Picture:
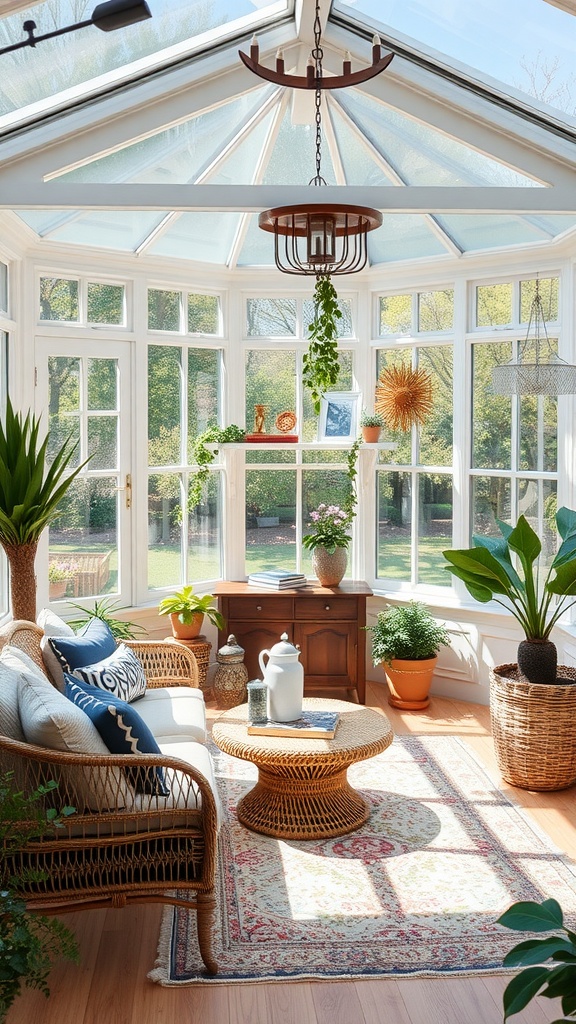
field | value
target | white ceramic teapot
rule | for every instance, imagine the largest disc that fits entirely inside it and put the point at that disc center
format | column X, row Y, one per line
column 284, row 677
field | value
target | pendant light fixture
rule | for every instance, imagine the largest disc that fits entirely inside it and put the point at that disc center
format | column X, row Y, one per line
column 538, row 369
column 321, row 239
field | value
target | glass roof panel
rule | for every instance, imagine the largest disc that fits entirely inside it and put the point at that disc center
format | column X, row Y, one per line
column 258, row 247
column 421, row 155
column 359, row 167
column 239, row 168
column 479, row 231
column 293, row 159
column 177, row 154
column 403, row 236
column 526, row 45
column 204, row 237
column 110, row 229
column 62, row 69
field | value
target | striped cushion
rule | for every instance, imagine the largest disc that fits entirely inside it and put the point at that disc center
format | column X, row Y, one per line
column 121, row 674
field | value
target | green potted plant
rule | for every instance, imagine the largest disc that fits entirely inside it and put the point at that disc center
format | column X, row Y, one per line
column 320, row 365
column 331, row 525
column 30, row 492
column 406, row 640
column 532, row 703
column 59, row 576
column 203, row 449
column 187, row 610
column 371, row 425
column 558, row 981
column 105, row 609
column 29, row 943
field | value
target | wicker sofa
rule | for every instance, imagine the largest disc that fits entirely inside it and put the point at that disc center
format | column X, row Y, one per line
column 123, row 846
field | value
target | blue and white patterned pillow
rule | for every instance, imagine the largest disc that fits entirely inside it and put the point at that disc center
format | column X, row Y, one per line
column 123, row 732
column 94, row 642
column 121, row 674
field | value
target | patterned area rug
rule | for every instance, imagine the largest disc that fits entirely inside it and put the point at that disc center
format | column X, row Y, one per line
column 417, row 890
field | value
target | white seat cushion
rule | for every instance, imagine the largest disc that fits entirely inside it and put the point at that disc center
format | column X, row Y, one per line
column 194, row 754
column 174, row 711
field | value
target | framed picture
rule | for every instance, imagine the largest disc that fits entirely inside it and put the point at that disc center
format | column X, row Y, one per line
column 339, row 416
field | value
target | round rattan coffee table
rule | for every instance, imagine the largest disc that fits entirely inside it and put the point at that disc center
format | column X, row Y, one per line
column 302, row 790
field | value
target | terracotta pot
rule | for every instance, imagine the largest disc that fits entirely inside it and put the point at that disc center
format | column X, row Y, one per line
column 57, row 589
column 329, row 568
column 371, row 435
column 409, row 682
column 188, row 631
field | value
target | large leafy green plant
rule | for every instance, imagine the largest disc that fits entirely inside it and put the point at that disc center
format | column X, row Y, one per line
column 30, row 490
column 558, row 981
column 203, row 449
column 29, row 943
column 536, row 600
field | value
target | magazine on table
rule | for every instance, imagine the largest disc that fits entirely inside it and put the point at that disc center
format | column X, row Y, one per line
column 310, row 725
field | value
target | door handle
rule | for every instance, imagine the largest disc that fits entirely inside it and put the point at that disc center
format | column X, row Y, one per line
column 128, row 489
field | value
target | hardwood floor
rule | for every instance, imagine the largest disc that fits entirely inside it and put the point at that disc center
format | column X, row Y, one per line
column 118, row 947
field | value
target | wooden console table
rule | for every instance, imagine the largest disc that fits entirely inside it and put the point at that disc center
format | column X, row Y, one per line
column 324, row 622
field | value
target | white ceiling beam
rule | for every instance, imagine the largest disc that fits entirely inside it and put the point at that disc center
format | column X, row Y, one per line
column 61, row 195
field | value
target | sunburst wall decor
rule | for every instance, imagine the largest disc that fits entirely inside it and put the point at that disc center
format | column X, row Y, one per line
column 403, row 396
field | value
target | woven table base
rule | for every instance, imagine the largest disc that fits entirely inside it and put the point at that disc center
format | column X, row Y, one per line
column 302, row 808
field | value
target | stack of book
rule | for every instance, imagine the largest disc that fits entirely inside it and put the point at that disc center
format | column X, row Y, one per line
column 277, row 579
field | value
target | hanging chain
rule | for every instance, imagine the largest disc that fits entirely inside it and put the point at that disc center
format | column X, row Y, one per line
column 317, row 55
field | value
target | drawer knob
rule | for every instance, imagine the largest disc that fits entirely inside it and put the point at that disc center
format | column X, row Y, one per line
column 258, row 607
column 327, row 607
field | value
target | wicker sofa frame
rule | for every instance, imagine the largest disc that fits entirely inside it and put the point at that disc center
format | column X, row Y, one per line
column 127, row 850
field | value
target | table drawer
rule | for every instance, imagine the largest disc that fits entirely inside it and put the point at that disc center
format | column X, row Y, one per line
column 261, row 606
column 319, row 607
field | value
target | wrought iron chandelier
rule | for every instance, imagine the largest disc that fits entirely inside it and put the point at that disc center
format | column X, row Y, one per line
column 544, row 373
column 319, row 238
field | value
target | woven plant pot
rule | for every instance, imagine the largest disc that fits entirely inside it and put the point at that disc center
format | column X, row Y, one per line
column 534, row 728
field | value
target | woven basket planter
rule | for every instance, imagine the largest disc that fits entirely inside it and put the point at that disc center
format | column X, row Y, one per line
column 534, row 729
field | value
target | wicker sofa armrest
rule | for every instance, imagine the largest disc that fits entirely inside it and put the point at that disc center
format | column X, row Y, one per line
column 139, row 853
column 166, row 664
column 26, row 636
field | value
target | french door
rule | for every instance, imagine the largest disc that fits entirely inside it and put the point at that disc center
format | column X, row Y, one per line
column 85, row 396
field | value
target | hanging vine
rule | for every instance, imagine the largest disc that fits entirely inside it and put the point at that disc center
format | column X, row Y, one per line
column 204, row 456
column 320, row 366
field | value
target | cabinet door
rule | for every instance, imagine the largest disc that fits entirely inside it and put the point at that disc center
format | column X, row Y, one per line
column 258, row 636
column 328, row 653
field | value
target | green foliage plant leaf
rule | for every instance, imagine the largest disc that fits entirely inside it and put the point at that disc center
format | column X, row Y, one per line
column 106, row 609
column 203, row 449
column 30, row 490
column 529, row 595
column 407, row 631
column 320, row 366
column 557, row 981
column 185, row 604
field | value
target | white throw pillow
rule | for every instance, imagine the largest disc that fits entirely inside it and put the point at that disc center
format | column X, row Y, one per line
column 50, row 720
column 52, row 624
column 9, row 716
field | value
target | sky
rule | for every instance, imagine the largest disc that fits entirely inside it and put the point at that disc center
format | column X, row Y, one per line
column 496, row 37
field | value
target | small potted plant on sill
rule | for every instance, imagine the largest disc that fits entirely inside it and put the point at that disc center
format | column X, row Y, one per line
column 406, row 640
column 371, row 425
column 533, row 702
column 187, row 610
column 59, row 576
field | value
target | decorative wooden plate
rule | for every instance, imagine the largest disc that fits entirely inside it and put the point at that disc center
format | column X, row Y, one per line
column 285, row 422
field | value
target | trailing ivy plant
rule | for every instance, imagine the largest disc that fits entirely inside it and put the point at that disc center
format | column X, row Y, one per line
column 204, row 456
column 320, row 366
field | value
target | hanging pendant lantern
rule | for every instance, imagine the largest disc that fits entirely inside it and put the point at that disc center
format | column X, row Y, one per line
column 319, row 239
column 540, row 373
